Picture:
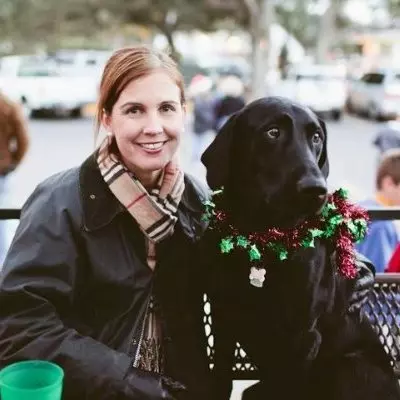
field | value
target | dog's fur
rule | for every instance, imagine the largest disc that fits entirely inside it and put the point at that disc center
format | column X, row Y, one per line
column 296, row 329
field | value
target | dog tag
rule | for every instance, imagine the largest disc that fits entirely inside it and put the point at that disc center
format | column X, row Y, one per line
column 257, row 277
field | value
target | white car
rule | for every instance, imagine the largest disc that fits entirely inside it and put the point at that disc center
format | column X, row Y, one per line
column 37, row 84
column 376, row 93
column 323, row 88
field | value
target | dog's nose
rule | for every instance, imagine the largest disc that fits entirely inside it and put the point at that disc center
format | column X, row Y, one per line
column 312, row 189
column 314, row 193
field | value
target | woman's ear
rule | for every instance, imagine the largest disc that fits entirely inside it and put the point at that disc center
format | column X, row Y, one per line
column 106, row 120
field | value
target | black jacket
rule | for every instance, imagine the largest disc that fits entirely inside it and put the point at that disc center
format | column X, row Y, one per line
column 75, row 285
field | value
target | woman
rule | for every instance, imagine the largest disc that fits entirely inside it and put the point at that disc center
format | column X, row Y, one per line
column 98, row 275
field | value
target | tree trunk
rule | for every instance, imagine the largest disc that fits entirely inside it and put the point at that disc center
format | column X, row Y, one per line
column 171, row 44
column 168, row 27
column 327, row 31
column 261, row 15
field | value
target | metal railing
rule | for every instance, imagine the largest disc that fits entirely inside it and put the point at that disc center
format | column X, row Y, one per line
column 9, row 213
column 382, row 309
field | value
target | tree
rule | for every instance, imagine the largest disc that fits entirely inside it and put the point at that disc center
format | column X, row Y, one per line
column 393, row 7
column 31, row 22
column 261, row 15
column 255, row 16
column 166, row 17
column 328, row 29
column 296, row 18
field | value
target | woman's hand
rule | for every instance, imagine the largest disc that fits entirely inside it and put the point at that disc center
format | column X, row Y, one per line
column 151, row 386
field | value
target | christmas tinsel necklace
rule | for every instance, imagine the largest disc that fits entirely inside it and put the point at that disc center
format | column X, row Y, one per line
column 340, row 223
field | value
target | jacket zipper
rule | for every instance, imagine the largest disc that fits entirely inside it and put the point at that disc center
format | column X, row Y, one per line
column 137, row 354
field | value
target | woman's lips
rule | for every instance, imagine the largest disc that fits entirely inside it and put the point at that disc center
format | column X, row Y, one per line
column 154, row 147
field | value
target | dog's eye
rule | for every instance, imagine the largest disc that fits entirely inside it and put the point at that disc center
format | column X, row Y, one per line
column 273, row 133
column 317, row 138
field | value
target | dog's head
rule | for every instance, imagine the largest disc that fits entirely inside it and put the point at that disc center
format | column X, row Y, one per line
column 271, row 158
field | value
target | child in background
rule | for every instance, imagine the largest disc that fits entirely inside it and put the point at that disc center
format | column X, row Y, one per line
column 383, row 236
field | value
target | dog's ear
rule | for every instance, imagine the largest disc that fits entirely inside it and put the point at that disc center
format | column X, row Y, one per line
column 217, row 157
column 323, row 162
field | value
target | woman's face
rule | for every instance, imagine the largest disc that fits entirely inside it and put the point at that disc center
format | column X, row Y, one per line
column 147, row 121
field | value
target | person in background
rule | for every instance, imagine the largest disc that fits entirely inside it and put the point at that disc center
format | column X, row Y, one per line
column 394, row 262
column 99, row 276
column 13, row 135
column 383, row 236
column 14, row 144
column 387, row 137
column 231, row 99
column 203, row 115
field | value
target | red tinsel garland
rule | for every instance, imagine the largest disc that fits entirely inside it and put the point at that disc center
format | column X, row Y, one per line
column 340, row 222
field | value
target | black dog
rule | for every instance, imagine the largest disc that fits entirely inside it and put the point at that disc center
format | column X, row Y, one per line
column 271, row 159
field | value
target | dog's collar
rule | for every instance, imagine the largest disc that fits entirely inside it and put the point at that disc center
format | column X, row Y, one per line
column 340, row 222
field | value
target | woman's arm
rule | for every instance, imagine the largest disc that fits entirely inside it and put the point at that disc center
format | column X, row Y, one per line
column 37, row 284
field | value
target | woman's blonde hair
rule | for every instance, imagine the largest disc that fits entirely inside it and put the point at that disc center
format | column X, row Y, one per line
column 126, row 65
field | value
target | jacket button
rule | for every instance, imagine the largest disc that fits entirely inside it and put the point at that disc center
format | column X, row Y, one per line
column 92, row 196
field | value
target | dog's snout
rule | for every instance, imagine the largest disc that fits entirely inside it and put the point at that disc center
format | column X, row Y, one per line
column 312, row 189
column 314, row 192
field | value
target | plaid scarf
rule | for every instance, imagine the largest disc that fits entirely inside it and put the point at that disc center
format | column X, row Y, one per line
column 154, row 211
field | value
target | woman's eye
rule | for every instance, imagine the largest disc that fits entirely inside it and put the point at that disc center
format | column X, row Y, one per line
column 133, row 110
column 273, row 133
column 317, row 138
column 167, row 108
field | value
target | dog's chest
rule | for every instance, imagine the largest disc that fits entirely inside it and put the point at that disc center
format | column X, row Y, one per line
column 231, row 277
column 290, row 290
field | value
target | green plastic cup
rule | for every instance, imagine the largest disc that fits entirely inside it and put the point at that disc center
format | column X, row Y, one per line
column 31, row 380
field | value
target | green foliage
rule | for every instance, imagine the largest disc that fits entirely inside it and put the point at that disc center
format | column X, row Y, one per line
column 28, row 22
column 394, row 8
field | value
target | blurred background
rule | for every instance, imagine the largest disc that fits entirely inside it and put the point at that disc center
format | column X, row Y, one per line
column 340, row 57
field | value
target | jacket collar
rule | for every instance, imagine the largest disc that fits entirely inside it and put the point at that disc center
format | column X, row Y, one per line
column 100, row 206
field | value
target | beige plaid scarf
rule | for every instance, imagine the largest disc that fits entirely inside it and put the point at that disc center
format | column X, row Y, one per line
column 154, row 211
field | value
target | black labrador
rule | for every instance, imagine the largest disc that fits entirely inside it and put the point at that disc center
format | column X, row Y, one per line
column 271, row 158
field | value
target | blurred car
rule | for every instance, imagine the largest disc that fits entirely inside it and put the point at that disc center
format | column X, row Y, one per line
column 73, row 62
column 38, row 85
column 323, row 88
column 376, row 94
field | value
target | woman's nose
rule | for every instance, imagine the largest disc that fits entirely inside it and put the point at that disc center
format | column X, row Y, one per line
column 152, row 125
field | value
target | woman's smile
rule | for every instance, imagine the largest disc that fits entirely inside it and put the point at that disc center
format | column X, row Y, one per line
column 153, row 147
